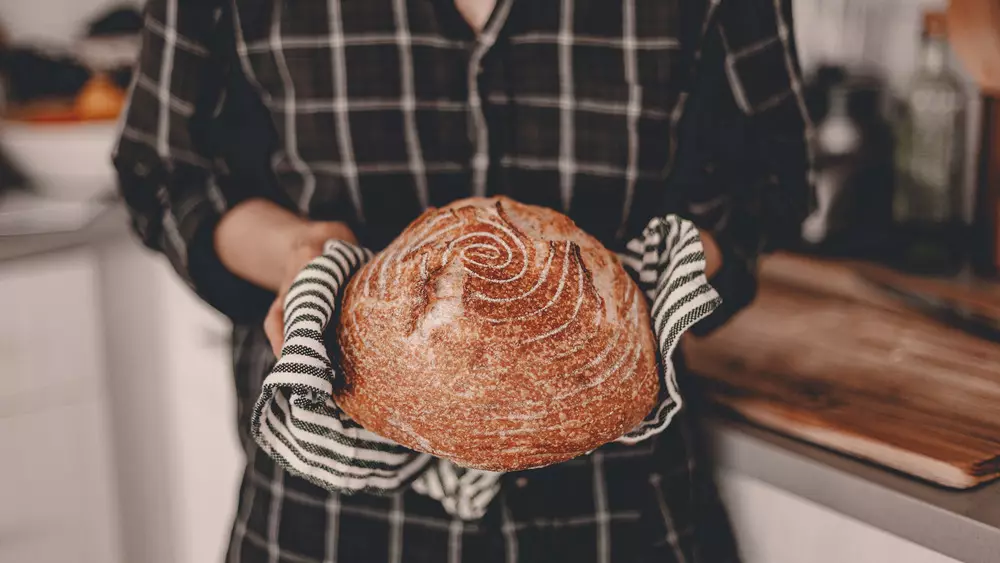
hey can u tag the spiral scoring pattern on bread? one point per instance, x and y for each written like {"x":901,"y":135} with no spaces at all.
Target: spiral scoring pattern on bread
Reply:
{"x":498,"y":335}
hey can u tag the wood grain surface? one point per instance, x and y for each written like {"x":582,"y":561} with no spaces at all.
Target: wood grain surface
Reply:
{"x":825,"y":356}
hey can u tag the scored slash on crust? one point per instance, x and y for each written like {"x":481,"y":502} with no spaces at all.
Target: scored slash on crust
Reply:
{"x":488,"y":307}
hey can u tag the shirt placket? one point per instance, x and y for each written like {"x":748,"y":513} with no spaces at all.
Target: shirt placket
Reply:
{"x":478,"y":128}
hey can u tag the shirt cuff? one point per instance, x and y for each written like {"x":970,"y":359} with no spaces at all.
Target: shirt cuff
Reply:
{"x":236,"y":298}
{"x":736,"y":283}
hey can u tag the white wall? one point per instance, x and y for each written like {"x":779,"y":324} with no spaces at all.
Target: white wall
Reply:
{"x":882,"y":35}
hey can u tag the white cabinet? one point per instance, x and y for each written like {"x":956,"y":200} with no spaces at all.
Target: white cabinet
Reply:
{"x":207,"y":458}
{"x":774,"y":526}
{"x":57,"y":498}
{"x":174,"y":410}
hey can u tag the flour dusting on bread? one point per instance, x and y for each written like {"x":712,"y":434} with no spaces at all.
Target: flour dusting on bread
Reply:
{"x":499,"y":335}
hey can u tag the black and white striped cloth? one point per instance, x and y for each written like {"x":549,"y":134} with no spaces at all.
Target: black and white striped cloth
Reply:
{"x":298,"y":423}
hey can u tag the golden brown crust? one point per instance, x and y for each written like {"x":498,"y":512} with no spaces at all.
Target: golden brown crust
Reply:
{"x":498,"y":335}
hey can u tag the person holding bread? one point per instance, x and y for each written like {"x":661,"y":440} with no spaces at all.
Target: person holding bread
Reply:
{"x":538,"y":196}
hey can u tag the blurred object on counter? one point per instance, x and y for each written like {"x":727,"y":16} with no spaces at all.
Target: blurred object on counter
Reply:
{"x":83,"y":83}
{"x":34,"y":75}
{"x":112,"y":43}
{"x":927,"y":207}
{"x":99,"y":99}
{"x":853,"y":166}
{"x":58,"y":123}
{"x":117,"y":22}
{"x":817,"y":89}
{"x":63,"y":160}
{"x":828,"y":357}
{"x":974,"y":29}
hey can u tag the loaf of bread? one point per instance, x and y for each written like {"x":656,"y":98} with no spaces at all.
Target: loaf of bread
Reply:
{"x":497,"y":335}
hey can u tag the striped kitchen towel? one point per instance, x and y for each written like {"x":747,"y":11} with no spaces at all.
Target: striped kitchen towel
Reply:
{"x":298,"y":423}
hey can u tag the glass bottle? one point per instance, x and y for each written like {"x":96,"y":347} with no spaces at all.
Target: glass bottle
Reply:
{"x":927,"y":207}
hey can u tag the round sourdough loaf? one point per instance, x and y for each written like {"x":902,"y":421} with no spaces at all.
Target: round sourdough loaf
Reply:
{"x":498,"y":335}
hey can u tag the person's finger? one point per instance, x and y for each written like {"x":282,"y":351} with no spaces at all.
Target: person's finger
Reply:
{"x":274,"y":326}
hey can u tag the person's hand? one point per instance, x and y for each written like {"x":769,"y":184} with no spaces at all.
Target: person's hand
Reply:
{"x":268,"y":245}
{"x":713,"y":255}
{"x":308,"y":246}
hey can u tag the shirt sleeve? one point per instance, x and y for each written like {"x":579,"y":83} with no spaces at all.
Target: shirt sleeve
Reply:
{"x":170,"y":175}
{"x":743,"y":160}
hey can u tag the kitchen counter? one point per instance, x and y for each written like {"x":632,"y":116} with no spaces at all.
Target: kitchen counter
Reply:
{"x":964,"y":525}
{"x":109,"y":223}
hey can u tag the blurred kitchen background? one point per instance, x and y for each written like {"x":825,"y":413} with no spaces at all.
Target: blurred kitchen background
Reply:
{"x":855,"y":406}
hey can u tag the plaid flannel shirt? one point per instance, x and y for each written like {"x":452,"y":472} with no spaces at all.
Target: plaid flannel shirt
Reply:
{"x":368,"y":112}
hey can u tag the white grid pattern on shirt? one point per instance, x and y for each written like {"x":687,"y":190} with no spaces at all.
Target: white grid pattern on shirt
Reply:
{"x":407,"y":102}
{"x":678,"y":111}
{"x":580,"y":104}
{"x":341,"y":107}
{"x":291,"y":138}
{"x":274,"y":515}
{"x":155,"y":87}
{"x":752,"y":48}
{"x":332,"y":528}
{"x":174,"y":42}
{"x":359,"y":40}
{"x":166,"y":76}
{"x":176,"y":155}
{"x":455,"y":541}
{"x":601,"y":509}
{"x":592,"y":168}
{"x":567,"y":113}
{"x":165,"y":31}
{"x":334,"y":167}
{"x":242,"y":520}
{"x":321,"y":105}
{"x":734,"y":79}
{"x":170,"y":220}
{"x":796,"y":84}
{"x":478,"y":132}
{"x":672,"y":535}
{"x":633,"y":108}
{"x":542,"y":38}
{"x":396,"y":530}
{"x":509,"y":532}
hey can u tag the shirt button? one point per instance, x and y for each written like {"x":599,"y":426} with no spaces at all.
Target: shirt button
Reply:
{"x":521,"y":482}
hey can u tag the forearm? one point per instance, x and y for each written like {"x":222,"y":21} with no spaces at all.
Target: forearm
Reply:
{"x":255,"y":239}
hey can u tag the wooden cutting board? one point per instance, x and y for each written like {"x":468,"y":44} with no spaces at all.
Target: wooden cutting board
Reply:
{"x":825,"y":356}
